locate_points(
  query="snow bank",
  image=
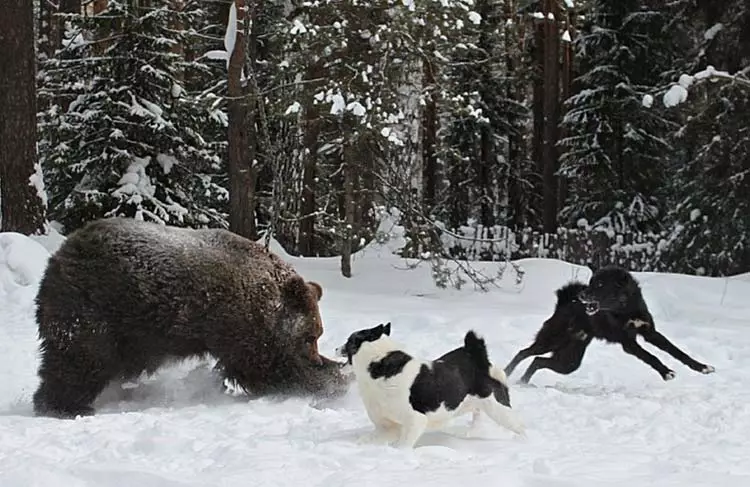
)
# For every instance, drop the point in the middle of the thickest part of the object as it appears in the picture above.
(22, 264)
(612, 423)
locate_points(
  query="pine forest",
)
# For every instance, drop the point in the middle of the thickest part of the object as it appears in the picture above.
(592, 131)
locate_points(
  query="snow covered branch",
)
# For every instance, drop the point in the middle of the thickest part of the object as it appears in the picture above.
(678, 92)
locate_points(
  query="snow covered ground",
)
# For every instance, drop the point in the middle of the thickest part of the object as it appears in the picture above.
(612, 423)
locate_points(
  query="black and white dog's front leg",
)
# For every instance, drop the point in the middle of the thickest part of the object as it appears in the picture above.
(630, 346)
(657, 339)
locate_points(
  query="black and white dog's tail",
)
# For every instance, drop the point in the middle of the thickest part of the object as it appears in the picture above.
(491, 384)
(477, 350)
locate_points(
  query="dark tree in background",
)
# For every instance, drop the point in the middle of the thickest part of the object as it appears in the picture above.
(710, 230)
(22, 203)
(613, 157)
(493, 129)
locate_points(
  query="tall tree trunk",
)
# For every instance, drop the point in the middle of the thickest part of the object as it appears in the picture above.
(484, 177)
(178, 48)
(537, 146)
(567, 80)
(516, 159)
(22, 206)
(487, 154)
(349, 210)
(429, 139)
(100, 44)
(364, 191)
(311, 126)
(242, 171)
(551, 114)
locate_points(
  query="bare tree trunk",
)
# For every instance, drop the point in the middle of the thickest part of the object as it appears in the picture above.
(22, 207)
(551, 112)
(537, 148)
(364, 191)
(100, 46)
(178, 48)
(567, 80)
(516, 159)
(484, 177)
(311, 126)
(429, 140)
(349, 210)
(242, 171)
(486, 165)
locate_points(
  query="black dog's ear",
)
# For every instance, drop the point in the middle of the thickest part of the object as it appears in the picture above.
(387, 328)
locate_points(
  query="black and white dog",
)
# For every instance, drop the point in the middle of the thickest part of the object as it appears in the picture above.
(610, 308)
(405, 396)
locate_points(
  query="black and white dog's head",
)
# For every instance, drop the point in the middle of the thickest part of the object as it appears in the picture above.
(356, 339)
(611, 289)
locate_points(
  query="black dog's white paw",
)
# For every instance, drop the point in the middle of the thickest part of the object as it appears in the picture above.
(669, 375)
(708, 369)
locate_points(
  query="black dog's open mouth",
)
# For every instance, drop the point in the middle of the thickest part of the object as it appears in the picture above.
(592, 307)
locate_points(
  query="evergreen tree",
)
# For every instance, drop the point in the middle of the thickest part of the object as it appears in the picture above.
(124, 136)
(485, 157)
(614, 154)
(711, 188)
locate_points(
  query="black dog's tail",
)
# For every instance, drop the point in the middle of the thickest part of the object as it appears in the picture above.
(477, 350)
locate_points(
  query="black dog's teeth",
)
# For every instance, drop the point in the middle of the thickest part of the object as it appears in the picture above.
(592, 307)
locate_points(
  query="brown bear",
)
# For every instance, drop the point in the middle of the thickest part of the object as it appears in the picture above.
(122, 296)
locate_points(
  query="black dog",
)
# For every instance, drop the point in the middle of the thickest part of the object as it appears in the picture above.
(610, 308)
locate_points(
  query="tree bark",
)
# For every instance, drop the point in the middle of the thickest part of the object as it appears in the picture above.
(429, 139)
(22, 207)
(516, 159)
(178, 6)
(567, 80)
(537, 147)
(100, 46)
(349, 177)
(311, 127)
(242, 170)
(551, 115)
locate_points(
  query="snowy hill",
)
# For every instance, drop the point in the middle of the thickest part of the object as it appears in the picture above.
(614, 422)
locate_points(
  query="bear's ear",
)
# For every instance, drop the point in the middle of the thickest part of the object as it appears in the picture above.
(295, 292)
(316, 288)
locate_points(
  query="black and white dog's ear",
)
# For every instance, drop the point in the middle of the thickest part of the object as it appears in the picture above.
(387, 329)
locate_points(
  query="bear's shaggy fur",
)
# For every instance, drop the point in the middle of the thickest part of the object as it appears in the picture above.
(121, 297)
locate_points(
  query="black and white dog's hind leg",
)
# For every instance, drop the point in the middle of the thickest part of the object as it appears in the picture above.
(497, 404)
(490, 392)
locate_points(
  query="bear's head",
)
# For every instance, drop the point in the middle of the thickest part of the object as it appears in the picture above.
(299, 316)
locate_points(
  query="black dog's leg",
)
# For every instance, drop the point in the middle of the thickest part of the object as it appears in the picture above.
(564, 361)
(657, 339)
(535, 349)
(630, 345)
